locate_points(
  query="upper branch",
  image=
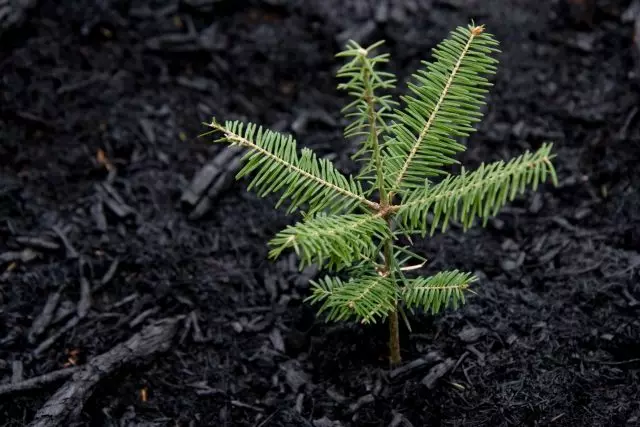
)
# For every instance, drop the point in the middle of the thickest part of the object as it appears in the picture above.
(434, 112)
(446, 101)
(370, 108)
(337, 240)
(305, 178)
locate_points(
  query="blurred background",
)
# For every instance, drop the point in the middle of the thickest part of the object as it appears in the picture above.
(114, 215)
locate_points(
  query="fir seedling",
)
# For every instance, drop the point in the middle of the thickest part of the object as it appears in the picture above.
(351, 225)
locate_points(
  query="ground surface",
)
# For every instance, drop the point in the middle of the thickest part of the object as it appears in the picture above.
(552, 336)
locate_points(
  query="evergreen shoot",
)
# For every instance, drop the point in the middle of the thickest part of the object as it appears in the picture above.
(351, 225)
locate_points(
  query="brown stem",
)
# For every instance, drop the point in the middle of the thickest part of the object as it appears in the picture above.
(384, 211)
(394, 329)
(394, 338)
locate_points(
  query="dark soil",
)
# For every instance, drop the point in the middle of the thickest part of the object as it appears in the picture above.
(101, 108)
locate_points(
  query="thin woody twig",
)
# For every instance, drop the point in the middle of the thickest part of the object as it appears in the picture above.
(37, 382)
(67, 403)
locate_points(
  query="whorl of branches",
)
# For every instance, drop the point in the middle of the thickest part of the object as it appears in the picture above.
(405, 150)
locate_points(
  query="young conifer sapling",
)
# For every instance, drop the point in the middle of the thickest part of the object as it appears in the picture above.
(350, 225)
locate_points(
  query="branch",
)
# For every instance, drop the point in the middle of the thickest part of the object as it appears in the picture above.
(480, 193)
(39, 381)
(440, 291)
(308, 179)
(446, 101)
(369, 110)
(434, 113)
(338, 239)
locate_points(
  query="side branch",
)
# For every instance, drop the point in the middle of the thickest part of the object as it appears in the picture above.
(465, 189)
(238, 139)
(339, 240)
(474, 32)
(480, 193)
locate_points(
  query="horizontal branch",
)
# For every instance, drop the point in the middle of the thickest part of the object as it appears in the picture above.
(233, 134)
(338, 239)
(479, 193)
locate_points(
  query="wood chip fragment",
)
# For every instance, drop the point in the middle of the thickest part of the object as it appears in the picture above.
(437, 372)
(65, 406)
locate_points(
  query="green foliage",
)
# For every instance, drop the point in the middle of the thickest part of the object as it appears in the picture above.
(446, 101)
(436, 292)
(480, 193)
(342, 228)
(367, 298)
(333, 240)
(372, 108)
(303, 178)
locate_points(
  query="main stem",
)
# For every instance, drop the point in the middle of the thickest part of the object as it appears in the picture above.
(394, 328)
(373, 135)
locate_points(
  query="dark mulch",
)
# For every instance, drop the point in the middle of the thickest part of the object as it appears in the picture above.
(156, 298)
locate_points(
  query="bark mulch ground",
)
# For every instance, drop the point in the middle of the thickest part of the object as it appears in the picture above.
(134, 283)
